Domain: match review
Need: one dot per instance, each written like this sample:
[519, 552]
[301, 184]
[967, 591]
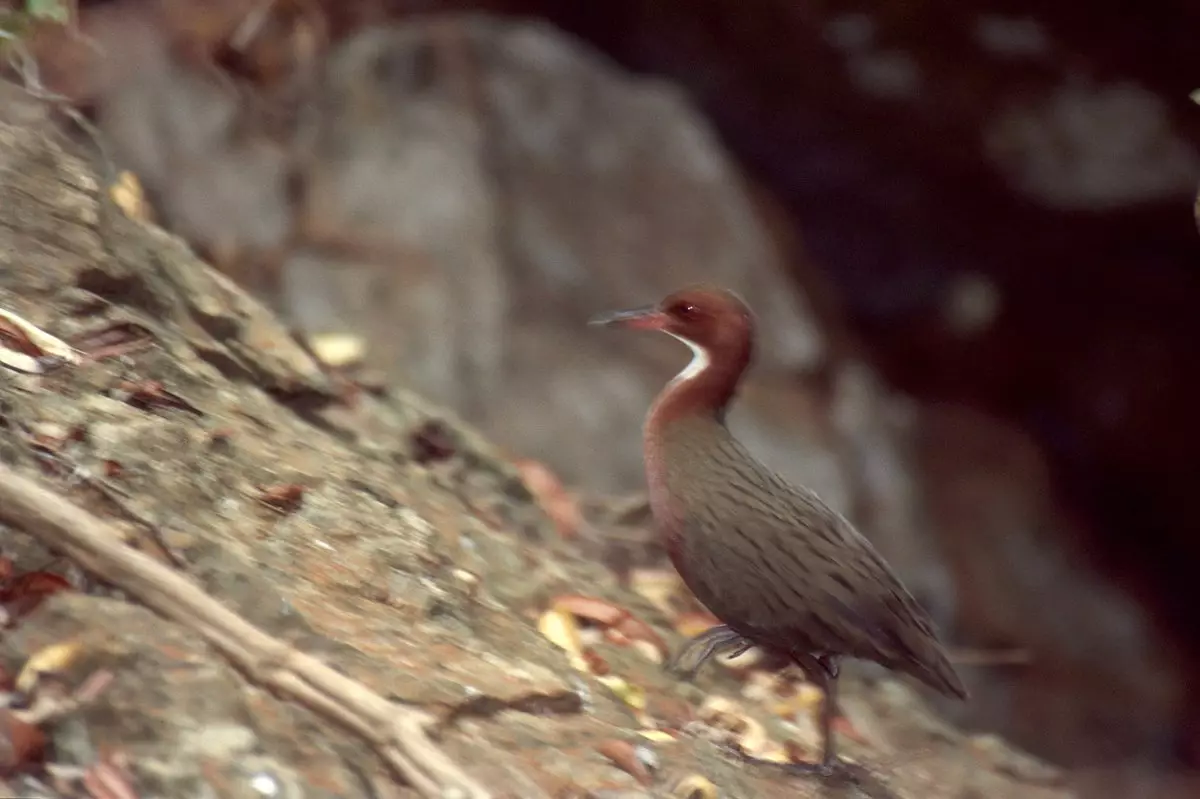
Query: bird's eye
[685, 310]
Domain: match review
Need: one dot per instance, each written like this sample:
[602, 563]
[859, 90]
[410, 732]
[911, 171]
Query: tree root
[397, 733]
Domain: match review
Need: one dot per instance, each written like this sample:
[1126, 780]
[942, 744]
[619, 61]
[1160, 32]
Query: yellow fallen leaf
[764, 749]
[51, 659]
[627, 692]
[657, 736]
[127, 193]
[805, 701]
[689, 625]
[338, 350]
[694, 786]
[561, 629]
[659, 587]
[648, 650]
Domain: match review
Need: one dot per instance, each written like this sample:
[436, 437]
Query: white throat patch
[699, 363]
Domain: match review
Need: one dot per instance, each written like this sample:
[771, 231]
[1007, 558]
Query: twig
[397, 733]
[965, 656]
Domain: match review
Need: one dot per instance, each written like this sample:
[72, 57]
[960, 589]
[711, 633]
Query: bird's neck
[704, 389]
[687, 413]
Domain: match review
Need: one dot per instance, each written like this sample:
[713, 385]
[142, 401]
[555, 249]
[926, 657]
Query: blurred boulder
[506, 183]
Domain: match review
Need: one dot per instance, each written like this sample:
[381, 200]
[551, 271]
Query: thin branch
[397, 733]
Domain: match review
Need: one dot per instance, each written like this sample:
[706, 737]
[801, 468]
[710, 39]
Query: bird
[781, 570]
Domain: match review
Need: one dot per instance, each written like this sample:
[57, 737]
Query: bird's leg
[822, 672]
[702, 647]
[827, 682]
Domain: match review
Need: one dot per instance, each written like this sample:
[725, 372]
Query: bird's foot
[696, 651]
[822, 770]
[832, 771]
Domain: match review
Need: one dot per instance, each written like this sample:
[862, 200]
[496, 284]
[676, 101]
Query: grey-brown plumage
[780, 569]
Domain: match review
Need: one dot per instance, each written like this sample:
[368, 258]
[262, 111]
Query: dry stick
[397, 733]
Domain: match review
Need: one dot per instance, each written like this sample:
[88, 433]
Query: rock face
[416, 575]
[473, 191]
[541, 185]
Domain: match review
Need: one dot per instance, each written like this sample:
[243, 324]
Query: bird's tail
[935, 670]
[923, 656]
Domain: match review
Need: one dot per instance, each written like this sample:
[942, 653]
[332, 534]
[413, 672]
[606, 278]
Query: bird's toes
[822, 770]
[676, 669]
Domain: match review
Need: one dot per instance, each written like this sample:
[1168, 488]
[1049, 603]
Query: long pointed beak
[645, 318]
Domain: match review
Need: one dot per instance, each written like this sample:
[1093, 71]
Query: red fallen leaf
[113, 468]
[671, 713]
[621, 626]
[594, 609]
[113, 341]
[595, 664]
[692, 623]
[25, 592]
[284, 497]
[432, 442]
[109, 778]
[14, 338]
[22, 745]
[624, 756]
[551, 496]
[144, 394]
[843, 726]
[96, 683]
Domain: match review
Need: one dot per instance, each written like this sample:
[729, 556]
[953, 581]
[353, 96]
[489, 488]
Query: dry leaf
[619, 625]
[689, 625]
[842, 725]
[21, 744]
[20, 596]
[146, 394]
[433, 442]
[283, 497]
[113, 341]
[560, 628]
[109, 778]
[53, 659]
[127, 193]
[338, 350]
[746, 732]
[626, 757]
[659, 587]
[551, 496]
[694, 786]
[624, 690]
[27, 348]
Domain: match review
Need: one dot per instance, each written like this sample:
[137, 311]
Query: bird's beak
[647, 318]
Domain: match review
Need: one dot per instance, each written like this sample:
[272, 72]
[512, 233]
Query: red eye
[684, 310]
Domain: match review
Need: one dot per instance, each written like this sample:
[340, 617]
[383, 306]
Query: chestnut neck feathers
[719, 331]
[685, 426]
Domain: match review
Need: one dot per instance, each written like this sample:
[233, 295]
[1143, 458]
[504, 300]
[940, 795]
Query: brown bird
[781, 569]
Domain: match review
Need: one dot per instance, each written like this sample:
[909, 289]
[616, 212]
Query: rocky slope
[361, 526]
